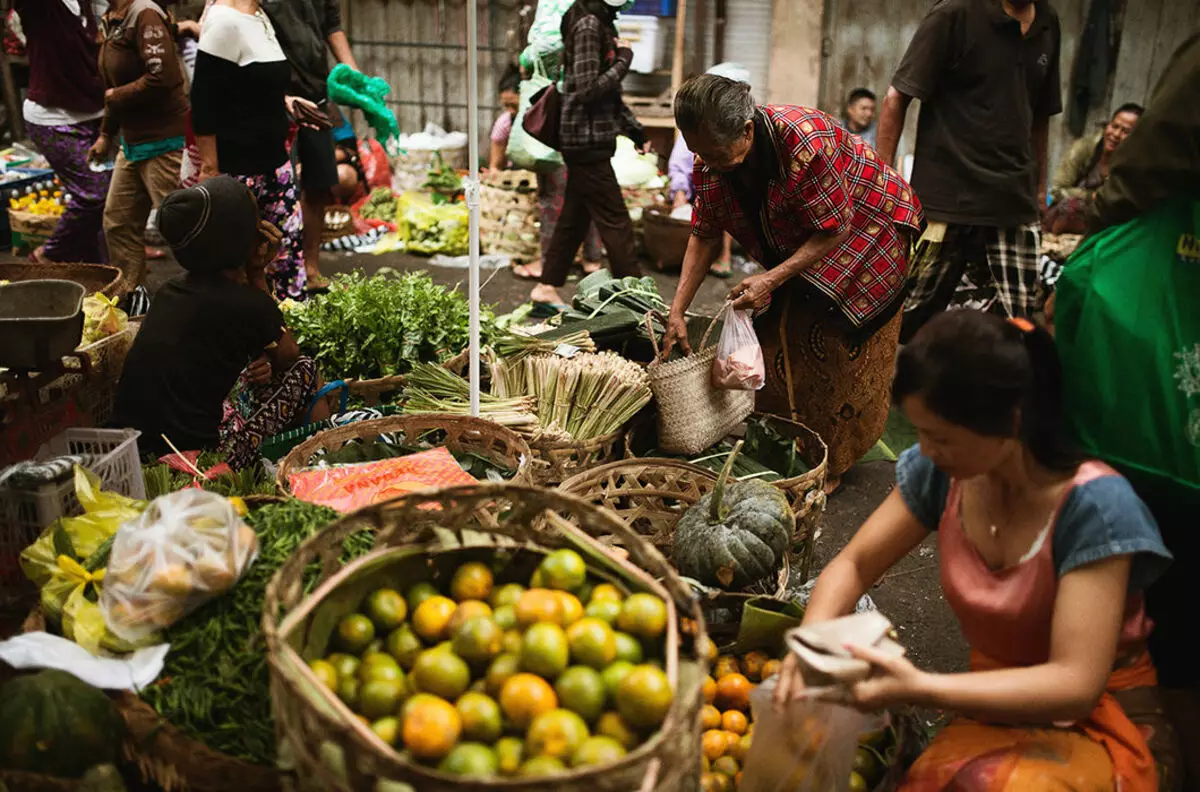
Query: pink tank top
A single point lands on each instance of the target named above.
(1006, 614)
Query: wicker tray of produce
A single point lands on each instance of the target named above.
(93, 277)
(508, 215)
(652, 495)
(453, 551)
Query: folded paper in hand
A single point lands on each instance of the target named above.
(821, 648)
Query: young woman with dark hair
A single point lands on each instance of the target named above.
(1044, 560)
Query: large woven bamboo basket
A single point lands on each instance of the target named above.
(457, 433)
(650, 495)
(666, 238)
(93, 277)
(508, 215)
(427, 535)
(806, 492)
(555, 461)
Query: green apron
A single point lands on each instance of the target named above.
(1127, 323)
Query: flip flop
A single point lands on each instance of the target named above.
(721, 270)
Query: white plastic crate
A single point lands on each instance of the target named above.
(24, 514)
(642, 32)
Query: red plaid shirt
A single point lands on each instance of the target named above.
(829, 181)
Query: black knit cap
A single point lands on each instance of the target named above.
(212, 226)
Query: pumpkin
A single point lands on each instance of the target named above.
(735, 535)
(52, 723)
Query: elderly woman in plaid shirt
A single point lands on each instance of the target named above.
(831, 224)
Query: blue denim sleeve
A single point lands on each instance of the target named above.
(1105, 518)
(922, 486)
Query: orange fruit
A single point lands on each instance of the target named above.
(734, 721)
(726, 665)
(326, 674)
(643, 616)
(770, 669)
(570, 608)
(500, 671)
(510, 752)
(606, 592)
(431, 619)
(541, 766)
(628, 648)
(581, 690)
(478, 640)
(480, 716)
(731, 740)
(709, 688)
(441, 673)
(386, 609)
(733, 692)
(466, 610)
(710, 718)
(431, 728)
(712, 744)
(596, 751)
(707, 649)
(418, 593)
(508, 594)
(563, 570)
(538, 605)
(592, 643)
(471, 581)
(644, 697)
(354, 633)
(557, 733)
(544, 650)
(470, 759)
(611, 725)
(525, 696)
(752, 665)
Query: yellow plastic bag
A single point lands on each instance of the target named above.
(70, 598)
(101, 318)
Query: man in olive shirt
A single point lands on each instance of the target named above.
(987, 75)
(305, 29)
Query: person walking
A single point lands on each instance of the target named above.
(593, 115)
(146, 112)
(987, 75)
(306, 29)
(831, 223)
(62, 115)
(240, 117)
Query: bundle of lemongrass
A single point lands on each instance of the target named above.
(433, 389)
(509, 352)
(587, 395)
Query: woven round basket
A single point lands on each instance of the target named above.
(555, 461)
(666, 238)
(456, 433)
(806, 492)
(427, 535)
(508, 215)
(637, 201)
(93, 277)
(650, 495)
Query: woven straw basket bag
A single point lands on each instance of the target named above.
(692, 414)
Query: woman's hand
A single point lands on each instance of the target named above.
(791, 681)
(188, 28)
(101, 150)
(753, 293)
(270, 238)
(894, 681)
(676, 334)
(259, 371)
(306, 113)
(681, 199)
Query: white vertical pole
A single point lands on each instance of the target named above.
(472, 193)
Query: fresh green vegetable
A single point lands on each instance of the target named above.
(381, 204)
(161, 479)
(54, 724)
(430, 228)
(588, 395)
(215, 685)
(441, 177)
(433, 389)
(365, 328)
(600, 293)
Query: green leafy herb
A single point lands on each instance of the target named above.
(381, 204)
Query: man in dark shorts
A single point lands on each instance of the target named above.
(987, 75)
(305, 29)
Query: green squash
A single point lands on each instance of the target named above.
(55, 724)
(735, 536)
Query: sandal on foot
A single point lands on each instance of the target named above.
(721, 269)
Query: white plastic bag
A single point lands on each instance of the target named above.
(807, 747)
(739, 362)
(185, 549)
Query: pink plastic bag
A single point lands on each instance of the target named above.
(739, 362)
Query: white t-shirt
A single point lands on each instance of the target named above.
(41, 115)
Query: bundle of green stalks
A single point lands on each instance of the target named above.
(433, 389)
(585, 396)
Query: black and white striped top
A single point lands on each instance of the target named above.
(238, 93)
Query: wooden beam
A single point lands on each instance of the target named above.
(12, 99)
(680, 38)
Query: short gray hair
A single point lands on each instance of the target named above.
(715, 106)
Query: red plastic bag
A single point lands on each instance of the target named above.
(375, 165)
(355, 486)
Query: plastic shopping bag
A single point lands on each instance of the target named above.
(186, 548)
(739, 362)
(524, 150)
(808, 746)
(352, 487)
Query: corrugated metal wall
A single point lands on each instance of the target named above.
(748, 39)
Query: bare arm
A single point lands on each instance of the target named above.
(1041, 144)
(339, 45)
(207, 146)
(497, 156)
(284, 352)
(701, 252)
(891, 123)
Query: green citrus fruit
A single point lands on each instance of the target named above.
(471, 581)
(563, 570)
(606, 611)
(346, 665)
(644, 697)
(348, 692)
(418, 593)
(544, 650)
(613, 675)
(355, 632)
(597, 751)
(592, 643)
(540, 766)
(470, 759)
(510, 752)
(380, 698)
(386, 609)
(387, 729)
(726, 766)
(581, 690)
(611, 725)
(508, 594)
(506, 617)
(557, 733)
(629, 648)
(857, 783)
(643, 616)
(480, 715)
(441, 673)
(325, 673)
(606, 592)
(467, 610)
(404, 645)
(379, 665)
(499, 672)
(478, 640)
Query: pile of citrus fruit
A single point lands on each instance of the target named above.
(489, 679)
(728, 726)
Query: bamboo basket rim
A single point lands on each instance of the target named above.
(523, 501)
(297, 459)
